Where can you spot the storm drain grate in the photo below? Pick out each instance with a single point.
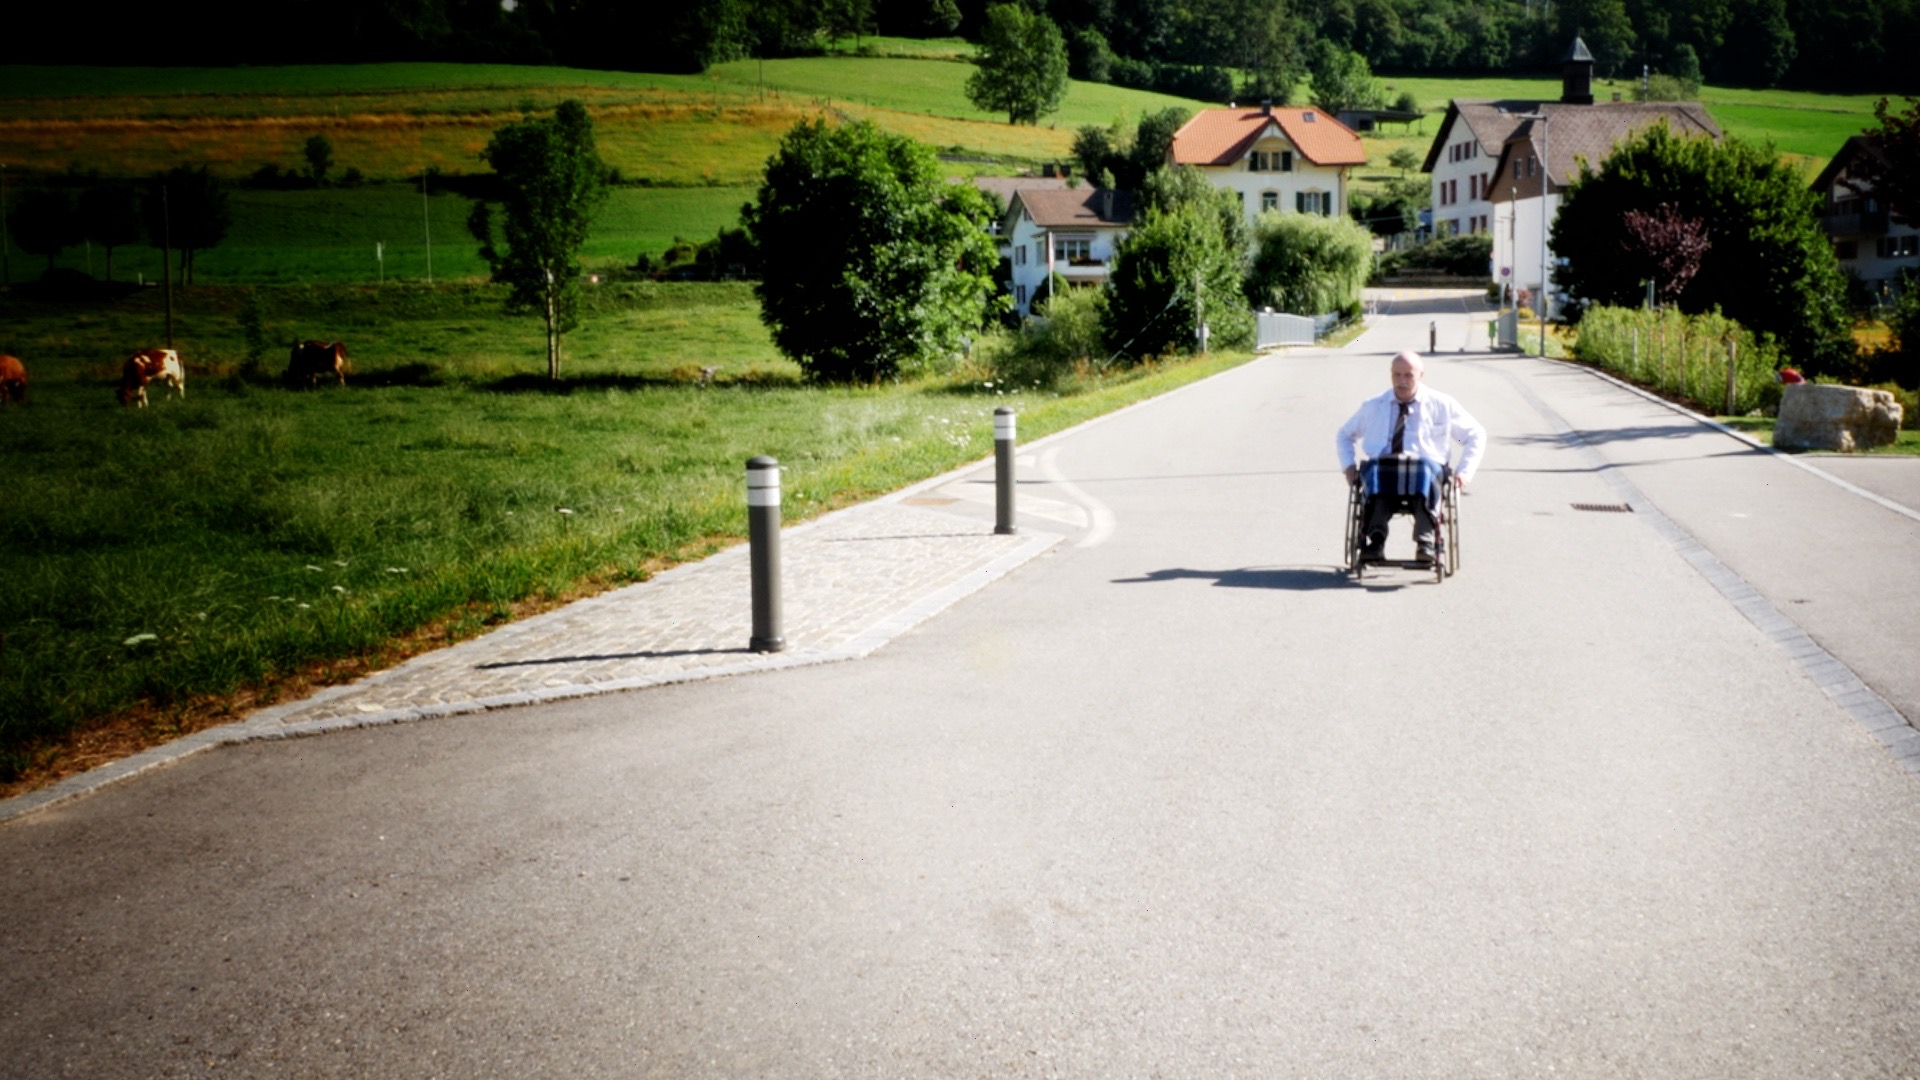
(1604, 508)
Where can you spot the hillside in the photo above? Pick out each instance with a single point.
(689, 147)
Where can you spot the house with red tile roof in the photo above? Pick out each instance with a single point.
(1294, 160)
(1065, 232)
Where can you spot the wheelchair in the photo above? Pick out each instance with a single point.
(1446, 526)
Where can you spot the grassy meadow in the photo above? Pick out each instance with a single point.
(290, 539)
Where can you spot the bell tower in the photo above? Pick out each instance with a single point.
(1576, 74)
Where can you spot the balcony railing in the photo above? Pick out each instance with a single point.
(1858, 224)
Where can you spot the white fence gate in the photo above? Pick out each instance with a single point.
(1280, 329)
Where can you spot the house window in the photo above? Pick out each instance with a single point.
(1899, 247)
(1270, 161)
(1039, 251)
(1269, 200)
(1846, 249)
(1314, 202)
(1286, 161)
(1069, 249)
(1020, 295)
(1020, 255)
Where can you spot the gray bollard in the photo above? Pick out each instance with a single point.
(1003, 471)
(763, 538)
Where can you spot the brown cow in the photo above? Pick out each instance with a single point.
(312, 361)
(149, 365)
(13, 380)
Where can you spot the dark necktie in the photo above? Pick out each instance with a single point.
(1400, 429)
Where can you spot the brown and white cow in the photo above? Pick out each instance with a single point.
(13, 380)
(151, 365)
(312, 361)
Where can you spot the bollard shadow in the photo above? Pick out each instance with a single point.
(1284, 578)
(659, 655)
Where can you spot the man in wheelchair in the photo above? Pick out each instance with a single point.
(1404, 438)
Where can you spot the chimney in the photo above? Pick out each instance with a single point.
(1266, 106)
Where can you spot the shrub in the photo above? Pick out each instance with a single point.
(1684, 356)
(1132, 74)
(1468, 256)
(1308, 265)
(1046, 349)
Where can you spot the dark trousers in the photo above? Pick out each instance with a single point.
(1381, 509)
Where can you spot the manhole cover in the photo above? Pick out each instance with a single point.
(1604, 508)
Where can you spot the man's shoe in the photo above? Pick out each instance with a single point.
(1423, 552)
(1375, 548)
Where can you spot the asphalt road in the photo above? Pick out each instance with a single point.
(1175, 800)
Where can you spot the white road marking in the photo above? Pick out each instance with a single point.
(1102, 527)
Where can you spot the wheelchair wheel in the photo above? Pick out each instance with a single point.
(1449, 560)
(1356, 505)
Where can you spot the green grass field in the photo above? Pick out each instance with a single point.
(246, 535)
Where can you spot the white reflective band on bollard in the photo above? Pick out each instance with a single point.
(763, 487)
(1003, 426)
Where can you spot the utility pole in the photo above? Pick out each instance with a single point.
(166, 256)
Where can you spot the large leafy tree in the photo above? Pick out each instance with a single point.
(110, 217)
(1341, 80)
(1022, 65)
(186, 208)
(873, 265)
(1178, 269)
(44, 223)
(1766, 263)
(551, 180)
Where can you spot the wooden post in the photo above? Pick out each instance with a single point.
(1733, 355)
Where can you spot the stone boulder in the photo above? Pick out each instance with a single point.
(1818, 416)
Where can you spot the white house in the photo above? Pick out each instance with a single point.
(1069, 232)
(1543, 157)
(1461, 161)
(1501, 167)
(1285, 159)
(1867, 240)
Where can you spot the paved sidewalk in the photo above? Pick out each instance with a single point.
(852, 581)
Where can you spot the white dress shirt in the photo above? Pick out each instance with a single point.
(1434, 421)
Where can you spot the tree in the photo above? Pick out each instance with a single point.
(185, 208)
(1023, 65)
(1404, 158)
(1668, 244)
(44, 223)
(1605, 27)
(1768, 267)
(873, 265)
(846, 19)
(552, 180)
(1308, 264)
(319, 159)
(1178, 269)
(110, 217)
(1341, 80)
